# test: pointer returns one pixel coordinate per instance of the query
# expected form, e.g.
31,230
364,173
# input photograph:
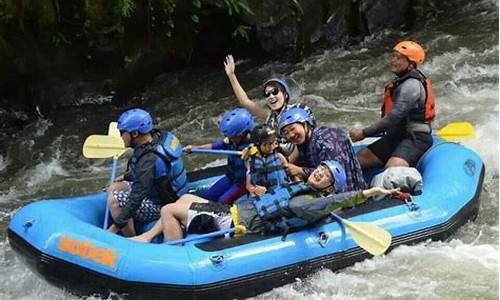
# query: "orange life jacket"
424,114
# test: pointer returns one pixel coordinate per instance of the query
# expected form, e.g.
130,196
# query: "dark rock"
380,14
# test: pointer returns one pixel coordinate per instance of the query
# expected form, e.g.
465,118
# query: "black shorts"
404,146
208,217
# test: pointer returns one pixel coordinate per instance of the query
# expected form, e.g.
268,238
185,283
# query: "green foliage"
242,32
298,12
125,7
237,7
128,62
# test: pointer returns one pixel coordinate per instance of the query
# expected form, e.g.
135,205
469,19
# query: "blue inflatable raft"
63,241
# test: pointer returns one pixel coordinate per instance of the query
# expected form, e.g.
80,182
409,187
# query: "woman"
277,93
319,144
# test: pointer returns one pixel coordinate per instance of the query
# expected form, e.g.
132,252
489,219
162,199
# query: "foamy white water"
344,88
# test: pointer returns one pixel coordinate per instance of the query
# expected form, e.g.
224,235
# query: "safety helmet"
413,51
338,173
135,119
236,122
262,133
295,115
282,83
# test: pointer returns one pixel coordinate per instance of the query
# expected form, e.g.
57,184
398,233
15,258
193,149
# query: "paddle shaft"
215,151
111,180
202,236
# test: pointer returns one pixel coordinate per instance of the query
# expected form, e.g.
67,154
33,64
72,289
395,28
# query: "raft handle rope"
323,239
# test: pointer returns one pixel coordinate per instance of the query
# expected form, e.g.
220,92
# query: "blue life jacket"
236,170
269,173
170,174
273,208
274,204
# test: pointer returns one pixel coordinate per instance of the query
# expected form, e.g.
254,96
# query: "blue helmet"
236,122
338,173
295,115
135,119
282,83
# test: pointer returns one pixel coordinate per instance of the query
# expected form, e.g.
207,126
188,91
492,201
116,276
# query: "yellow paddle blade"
103,146
374,239
113,129
456,131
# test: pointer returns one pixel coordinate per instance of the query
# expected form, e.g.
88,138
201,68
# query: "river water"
344,88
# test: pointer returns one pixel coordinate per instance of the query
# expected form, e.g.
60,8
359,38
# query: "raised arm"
241,95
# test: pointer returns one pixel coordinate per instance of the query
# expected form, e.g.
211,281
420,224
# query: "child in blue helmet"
277,93
235,126
155,175
319,144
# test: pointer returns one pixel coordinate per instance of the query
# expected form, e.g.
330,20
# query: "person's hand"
247,152
356,135
187,148
120,178
378,191
229,65
294,170
257,190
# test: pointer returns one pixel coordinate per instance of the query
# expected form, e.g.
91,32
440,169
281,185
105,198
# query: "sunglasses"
274,91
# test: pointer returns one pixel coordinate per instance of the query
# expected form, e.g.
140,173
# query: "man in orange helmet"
407,112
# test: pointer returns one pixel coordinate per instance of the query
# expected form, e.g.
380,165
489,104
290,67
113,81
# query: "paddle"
451,132
113,129
374,239
456,131
215,151
239,229
105,146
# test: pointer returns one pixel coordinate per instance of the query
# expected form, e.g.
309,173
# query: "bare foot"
142,238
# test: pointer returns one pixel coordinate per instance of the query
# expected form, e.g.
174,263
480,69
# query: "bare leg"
367,159
149,235
114,206
129,229
396,162
175,214
115,209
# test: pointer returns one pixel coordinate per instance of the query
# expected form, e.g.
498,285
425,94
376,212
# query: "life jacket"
273,207
423,113
236,170
269,173
170,174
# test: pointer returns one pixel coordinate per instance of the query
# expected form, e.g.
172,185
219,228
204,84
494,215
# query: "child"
265,170
235,126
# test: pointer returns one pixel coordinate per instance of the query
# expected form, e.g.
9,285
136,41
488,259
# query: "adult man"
407,112
155,175
309,201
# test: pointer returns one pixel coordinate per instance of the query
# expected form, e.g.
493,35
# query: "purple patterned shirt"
332,143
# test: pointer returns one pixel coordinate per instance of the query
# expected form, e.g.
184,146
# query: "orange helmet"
413,51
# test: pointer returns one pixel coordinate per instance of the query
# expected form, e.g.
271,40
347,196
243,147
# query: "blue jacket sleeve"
219,145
